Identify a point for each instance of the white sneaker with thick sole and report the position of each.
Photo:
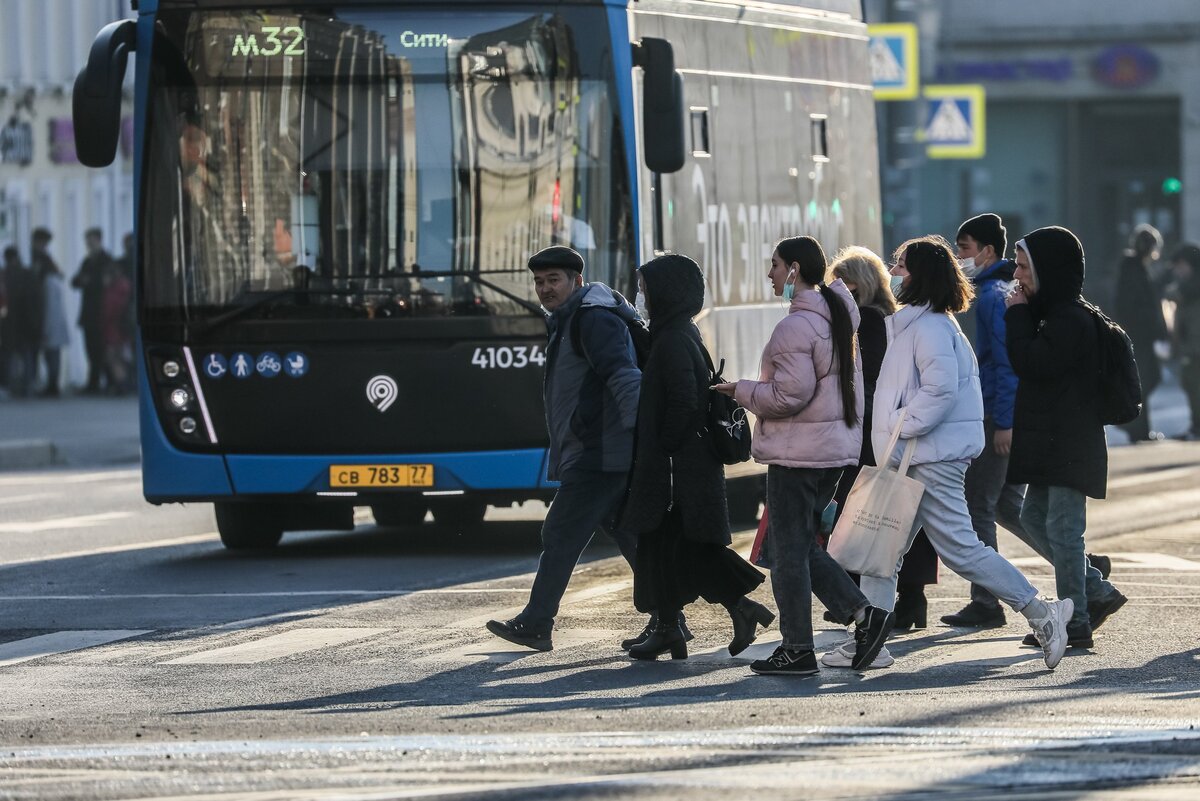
(1051, 631)
(843, 657)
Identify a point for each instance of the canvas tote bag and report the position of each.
(871, 535)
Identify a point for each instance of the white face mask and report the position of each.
(639, 303)
(968, 267)
(897, 284)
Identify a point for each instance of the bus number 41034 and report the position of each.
(506, 358)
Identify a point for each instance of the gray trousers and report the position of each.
(943, 513)
(991, 500)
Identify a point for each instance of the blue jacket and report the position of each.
(996, 375)
(591, 397)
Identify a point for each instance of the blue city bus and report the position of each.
(335, 204)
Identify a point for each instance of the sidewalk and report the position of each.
(75, 430)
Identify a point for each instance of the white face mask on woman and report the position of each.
(897, 283)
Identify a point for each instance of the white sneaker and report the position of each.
(1051, 631)
(843, 657)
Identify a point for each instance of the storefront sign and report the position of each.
(1014, 69)
(16, 143)
(1125, 67)
(62, 141)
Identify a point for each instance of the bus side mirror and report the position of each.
(662, 106)
(96, 102)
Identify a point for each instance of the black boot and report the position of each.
(747, 616)
(651, 625)
(665, 637)
(912, 609)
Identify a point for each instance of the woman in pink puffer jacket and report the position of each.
(809, 405)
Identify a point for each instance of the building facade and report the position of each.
(43, 45)
(1093, 121)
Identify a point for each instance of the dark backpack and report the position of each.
(1119, 399)
(725, 421)
(638, 332)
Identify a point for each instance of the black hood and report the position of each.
(1057, 259)
(674, 290)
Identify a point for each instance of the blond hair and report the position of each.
(863, 268)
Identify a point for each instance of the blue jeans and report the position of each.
(796, 497)
(1055, 519)
(586, 500)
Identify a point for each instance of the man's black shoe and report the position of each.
(1100, 611)
(1101, 563)
(870, 635)
(518, 633)
(1077, 637)
(787, 663)
(976, 616)
(650, 626)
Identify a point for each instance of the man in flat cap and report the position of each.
(591, 392)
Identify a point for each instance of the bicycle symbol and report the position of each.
(268, 365)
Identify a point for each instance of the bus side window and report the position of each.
(820, 137)
(700, 146)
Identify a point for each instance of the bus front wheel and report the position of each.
(247, 526)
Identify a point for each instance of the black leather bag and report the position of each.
(725, 423)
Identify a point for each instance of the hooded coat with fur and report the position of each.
(1058, 439)
(674, 465)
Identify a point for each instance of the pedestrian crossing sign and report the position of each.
(894, 61)
(955, 122)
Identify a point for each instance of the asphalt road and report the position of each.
(138, 659)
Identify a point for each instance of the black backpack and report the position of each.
(725, 421)
(638, 332)
(1119, 400)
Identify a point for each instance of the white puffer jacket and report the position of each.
(929, 370)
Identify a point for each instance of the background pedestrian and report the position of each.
(1137, 306)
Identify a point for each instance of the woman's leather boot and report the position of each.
(667, 636)
(747, 616)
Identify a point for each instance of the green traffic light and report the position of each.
(1172, 186)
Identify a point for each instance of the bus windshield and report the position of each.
(376, 163)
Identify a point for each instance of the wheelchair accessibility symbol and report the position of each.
(215, 366)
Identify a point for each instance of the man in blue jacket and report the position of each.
(590, 390)
(981, 244)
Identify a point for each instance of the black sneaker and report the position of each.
(976, 616)
(870, 635)
(787, 663)
(1100, 611)
(517, 632)
(1101, 563)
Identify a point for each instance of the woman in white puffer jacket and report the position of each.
(930, 378)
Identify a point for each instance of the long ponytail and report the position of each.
(806, 252)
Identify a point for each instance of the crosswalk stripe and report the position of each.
(289, 643)
(1128, 561)
(12, 653)
(61, 523)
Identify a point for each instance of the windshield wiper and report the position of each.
(224, 318)
(524, 303)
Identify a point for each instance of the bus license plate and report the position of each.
(380, 475)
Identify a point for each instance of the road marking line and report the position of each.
(211, 536)
(1151, 477)
(70, 478)
(12, 653)
(280, 594)
(62, 523)
(497, 651)
(22, 498)
(289, 643)
(1128, 561)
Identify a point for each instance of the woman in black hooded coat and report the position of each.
(676, 503)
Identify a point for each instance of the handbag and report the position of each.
(725, 420)
(879, 514)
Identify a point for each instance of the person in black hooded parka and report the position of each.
(676, 503)
(1058, 445)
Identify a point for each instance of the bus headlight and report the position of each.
(180, 398)
(171, 368)
(188, 425)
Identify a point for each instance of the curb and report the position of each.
(28, 453)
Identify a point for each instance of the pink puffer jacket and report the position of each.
(797, 398)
